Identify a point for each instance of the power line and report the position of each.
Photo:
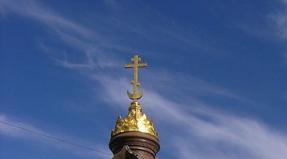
(47, 136)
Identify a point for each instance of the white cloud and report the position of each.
(280, 20)
(246, 134)
(34, 10)
(210, 134)
(89, 43)
(204, 133)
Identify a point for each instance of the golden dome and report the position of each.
(136, 120)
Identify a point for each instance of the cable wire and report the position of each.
(47, 136)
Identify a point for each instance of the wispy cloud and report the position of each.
(34, 10)
(98, 46)
(211, 134)
(280, 20)
(87, 42)
(24, 131)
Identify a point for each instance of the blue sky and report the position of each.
(215, 87)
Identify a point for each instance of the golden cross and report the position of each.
(136, 64)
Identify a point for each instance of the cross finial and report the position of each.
(136, 64)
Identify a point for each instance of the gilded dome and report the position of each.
(136, 120)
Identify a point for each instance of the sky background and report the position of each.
(215, 86)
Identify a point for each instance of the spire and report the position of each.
(136, 120)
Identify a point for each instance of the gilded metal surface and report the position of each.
(136, 120)
(136, 64)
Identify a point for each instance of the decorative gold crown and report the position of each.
(136, 120)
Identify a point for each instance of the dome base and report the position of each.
(142, 144)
